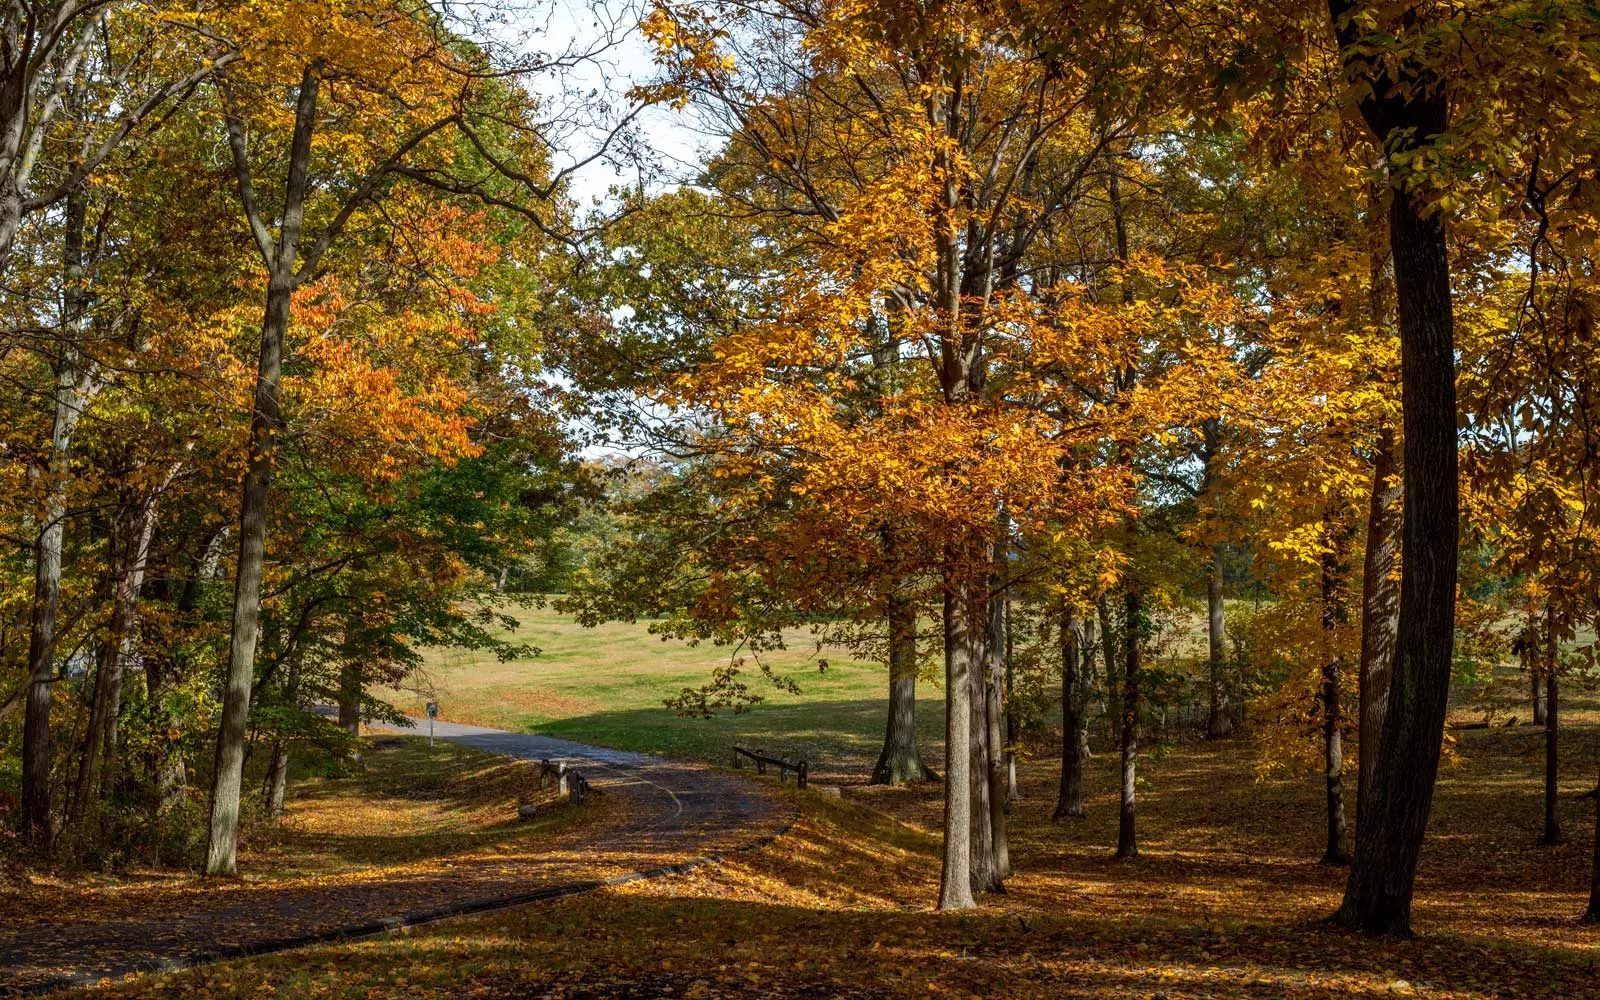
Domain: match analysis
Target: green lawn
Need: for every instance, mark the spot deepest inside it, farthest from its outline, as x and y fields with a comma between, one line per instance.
x=607, y=686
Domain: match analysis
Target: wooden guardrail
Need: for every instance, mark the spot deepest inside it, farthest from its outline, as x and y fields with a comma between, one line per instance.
x=762, y=761
x=569, y=782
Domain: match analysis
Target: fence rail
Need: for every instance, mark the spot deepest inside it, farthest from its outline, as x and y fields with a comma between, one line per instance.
x=763, y=761
x=568, y=781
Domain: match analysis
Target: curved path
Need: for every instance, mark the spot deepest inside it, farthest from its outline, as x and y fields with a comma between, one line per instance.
x=661, y=818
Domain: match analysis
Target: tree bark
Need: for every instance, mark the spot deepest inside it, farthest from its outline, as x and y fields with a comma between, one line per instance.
x=350, y=688
x=1109, y=648
x=1220, y=721
x=1127, y=838
x=960, y=647
x=985, y=870
x=1332, y=739
x=900, y=761
x=1405, y=112
x=1592, y=914
x=1552, y=731
x=1537, y=692
x=75, y=385
x=277, y=779
x=1380, y=608
x=266, y=421
x=100, y=742
x=995, y=772
x=1069, y=800
x=1012, y=793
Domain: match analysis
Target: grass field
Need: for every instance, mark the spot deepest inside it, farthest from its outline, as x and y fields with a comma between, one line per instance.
x=607, y=685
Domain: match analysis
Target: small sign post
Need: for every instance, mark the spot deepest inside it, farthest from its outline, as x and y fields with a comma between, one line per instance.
x=433, y=713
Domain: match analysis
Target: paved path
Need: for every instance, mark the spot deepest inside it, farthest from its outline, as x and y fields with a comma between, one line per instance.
x=660, y=817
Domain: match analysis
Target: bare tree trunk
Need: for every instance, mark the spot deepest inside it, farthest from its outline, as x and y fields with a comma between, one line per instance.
x=900, y=761
x=1127, y=838
x=1069, y=800
x=1537, y=693
x=960, y=648
x=1220, y=721
x=266, y=421
x=1380, y=609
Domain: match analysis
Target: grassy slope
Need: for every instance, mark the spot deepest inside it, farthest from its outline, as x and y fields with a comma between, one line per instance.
x=606, y=685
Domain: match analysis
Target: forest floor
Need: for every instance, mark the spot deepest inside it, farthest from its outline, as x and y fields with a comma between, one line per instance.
x=420, y=833
x=1226, y=899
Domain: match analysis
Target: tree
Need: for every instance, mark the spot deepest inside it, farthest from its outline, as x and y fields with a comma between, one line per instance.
x=1407, y=110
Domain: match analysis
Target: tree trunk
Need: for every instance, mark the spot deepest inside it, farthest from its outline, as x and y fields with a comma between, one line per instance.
x=901, y=761
x=1127, y=838
x=265, y=422
x=985, y=872
x=1220, y=721
x=1332, y=739
x=1113, y=690
x=1539, y=706
x=960, y=648
x=75, y=385
x=1380, y=607
x=277, y=779
x=1592, y=914
x=1405, y=114
x=1012, y=794
x=264, y=425
x=350, y=688
x=1552, y=729
x=100, y=743
x=995, y=772
x=1069, y=800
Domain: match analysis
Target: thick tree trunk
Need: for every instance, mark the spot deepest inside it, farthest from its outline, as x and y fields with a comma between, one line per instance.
x=1380, y=609
x=1220, y=721
x=1069, y=800
x=961, y=647
x=1389, y=840
x=901, y=761
x=1127, y=838
x=1332, y=739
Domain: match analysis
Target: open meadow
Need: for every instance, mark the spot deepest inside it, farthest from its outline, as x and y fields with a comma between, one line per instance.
x=606, y=685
